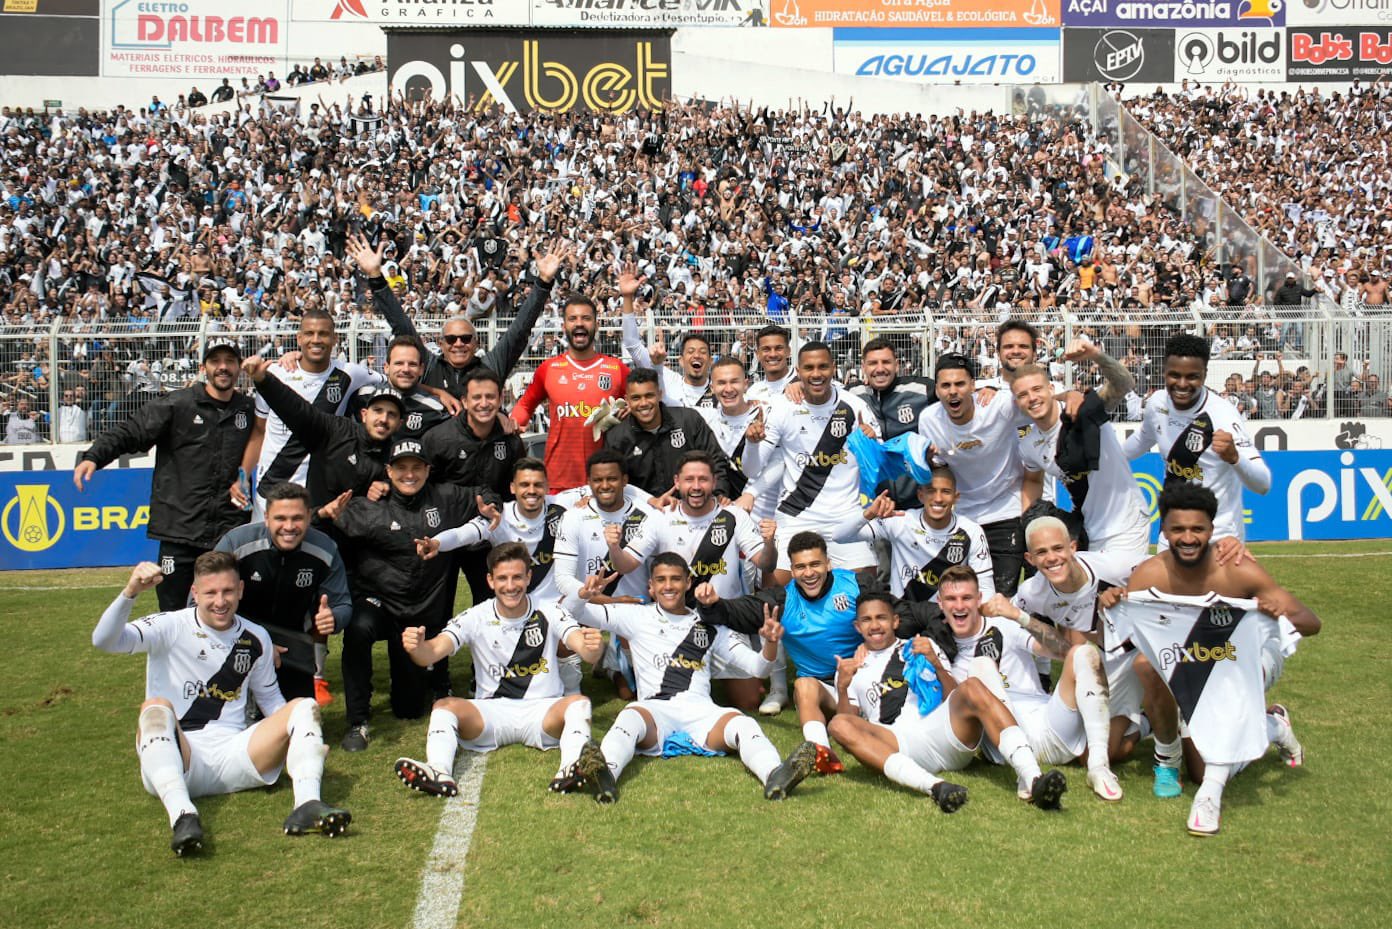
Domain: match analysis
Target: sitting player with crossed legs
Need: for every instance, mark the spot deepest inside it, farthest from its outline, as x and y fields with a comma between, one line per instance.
x=521, y=698
x=881, y=720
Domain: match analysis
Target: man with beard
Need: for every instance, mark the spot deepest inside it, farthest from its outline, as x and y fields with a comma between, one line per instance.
x=574, y=384
x=199, y=434
x=424, y=409
x=896, y=400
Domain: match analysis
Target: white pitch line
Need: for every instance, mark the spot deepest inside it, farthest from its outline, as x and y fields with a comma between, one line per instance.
x=442, y=882
x=60, y=587
x=1324, y=555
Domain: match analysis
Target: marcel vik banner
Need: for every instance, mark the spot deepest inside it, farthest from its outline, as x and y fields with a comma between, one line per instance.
x=45, y=522
x=523, y=70
x=1038, y=14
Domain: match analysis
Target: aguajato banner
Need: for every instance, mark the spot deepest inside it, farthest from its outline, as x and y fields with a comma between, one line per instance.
x=950, y=56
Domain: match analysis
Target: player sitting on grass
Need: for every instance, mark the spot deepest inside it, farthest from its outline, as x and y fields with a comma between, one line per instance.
x=520, y=694
x=900, y=712
x=193, y=739
x=672, y=652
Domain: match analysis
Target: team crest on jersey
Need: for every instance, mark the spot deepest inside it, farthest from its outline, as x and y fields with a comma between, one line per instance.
x=304, y=577
x=413, y=421
x=532, y=637
x=553, y=526
x=1194, y=441
x=333, y=393
x=167, y=564
x=841, y=602
x=956, y=551
x=678, y=438
x=1220, y=616
x=500, y=451
x=700, y=637
x=838, y=428
x=432, y=517
x=989, y=646
x=463, y=454
x=904, y=414
x=241, y=662
x=605, y=382
x=720, y=535
x=240, y=420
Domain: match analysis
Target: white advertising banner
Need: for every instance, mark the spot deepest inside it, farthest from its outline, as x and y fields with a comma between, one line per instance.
x=650, y=13
x=1339, y=13
x=407, y=13
x=195, y=39
x=950, y=56
x=1230, y=54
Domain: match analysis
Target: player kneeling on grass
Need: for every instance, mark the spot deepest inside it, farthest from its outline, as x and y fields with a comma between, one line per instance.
x=193, y=739
x=672, y=651
x=520, y=694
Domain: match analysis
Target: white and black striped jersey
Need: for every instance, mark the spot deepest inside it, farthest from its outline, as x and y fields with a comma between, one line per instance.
x=513, y=658
x=283, y=456
x=744, y=455
x=763, y=390
x=205, y=673
x=808, y=443
x=983, y=456
x=1076, y=610
x=538, y=534
x=920, y=553
x=1006, y=643
x=879, y=691
x=582, y=551
x=713, y=544
x=672, y=652
x=677, y=392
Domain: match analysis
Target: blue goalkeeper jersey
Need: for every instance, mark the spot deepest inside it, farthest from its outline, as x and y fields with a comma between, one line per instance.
x=817, y=632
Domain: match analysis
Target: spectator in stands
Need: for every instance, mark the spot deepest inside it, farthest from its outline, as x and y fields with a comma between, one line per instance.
x=317, y=71
x=196, y=98
x=225, y=92
x=23, y=423
x=72, y=418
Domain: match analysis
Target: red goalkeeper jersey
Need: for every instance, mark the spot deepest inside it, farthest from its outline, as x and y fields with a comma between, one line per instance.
x=574, y=389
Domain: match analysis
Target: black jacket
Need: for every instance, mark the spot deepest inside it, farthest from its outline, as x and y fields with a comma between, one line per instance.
x=898, y=409
x=423, y=412
x=341, y=454
x=380, y=545
x=457, y=456
x=283, y=588
x=502, y=357
x=653, y=456
x=198, y=446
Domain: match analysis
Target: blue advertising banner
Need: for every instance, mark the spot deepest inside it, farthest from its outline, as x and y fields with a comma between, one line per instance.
x=1176, y=13
x=46, y=523
x=950, y=56
x=1314, y=495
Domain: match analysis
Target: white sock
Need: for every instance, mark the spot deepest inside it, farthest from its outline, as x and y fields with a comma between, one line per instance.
x=321, y=658
x=442, y=740
x=755, y=750
x=304, y=759
x=622, y=739
x=1168, y=753
x=1090, y=693
x=815, y=731
x=778, y=676
x=575, y=731
x=571, y=673
x=1215, y=778
x=161, y=761
x=988, y=672
x=1016, y=749
x=902, y=770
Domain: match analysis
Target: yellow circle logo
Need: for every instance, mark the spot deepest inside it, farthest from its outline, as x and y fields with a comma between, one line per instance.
x=1150, y=492
x=32, y=531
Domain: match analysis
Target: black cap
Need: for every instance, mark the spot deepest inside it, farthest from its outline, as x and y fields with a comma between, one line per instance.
x=406, y=448
x=214, y=344
x=371, y=395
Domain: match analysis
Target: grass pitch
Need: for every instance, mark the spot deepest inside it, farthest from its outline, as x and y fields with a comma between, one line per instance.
x=692, y=842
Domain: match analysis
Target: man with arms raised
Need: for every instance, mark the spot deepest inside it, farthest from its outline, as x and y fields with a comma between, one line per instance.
x=193, y=740
x=1184, y=582
x=514, y=641
x=672, y=653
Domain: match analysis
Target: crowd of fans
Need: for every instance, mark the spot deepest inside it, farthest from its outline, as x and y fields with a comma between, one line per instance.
x=133, y=225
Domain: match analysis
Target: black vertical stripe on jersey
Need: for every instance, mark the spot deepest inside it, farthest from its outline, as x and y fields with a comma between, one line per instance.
x=1188, y=678
x=708, y=553
x=677, y=678
x=921, y=589
x=990, y=644
x=631, y=524
x=293, y=452
x=544, y=554
x=205, y=708
x=515, y=687
x=1180, y=455
x=738, y=479
x=707, y=401
x=814, y=476
x=894, y=690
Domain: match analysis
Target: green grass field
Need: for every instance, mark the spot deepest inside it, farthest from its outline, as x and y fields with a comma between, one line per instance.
x=693, y=843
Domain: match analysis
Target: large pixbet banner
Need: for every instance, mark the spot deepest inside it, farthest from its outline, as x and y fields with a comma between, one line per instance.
x=520, y=70
x=950, y=56
x=933, y=13
x=1174, y=13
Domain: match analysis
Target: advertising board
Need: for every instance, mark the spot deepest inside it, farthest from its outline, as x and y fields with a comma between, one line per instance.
x=950, y=56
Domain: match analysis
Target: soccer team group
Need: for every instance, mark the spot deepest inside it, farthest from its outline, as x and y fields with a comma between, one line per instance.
x=867, y=543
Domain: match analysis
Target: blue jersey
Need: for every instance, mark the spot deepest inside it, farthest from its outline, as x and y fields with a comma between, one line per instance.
x=817, y=632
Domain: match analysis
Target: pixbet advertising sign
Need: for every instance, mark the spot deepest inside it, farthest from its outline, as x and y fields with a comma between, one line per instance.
x=1231, y=55
x=1175, y=13
x=1144, y=56
x=193, y=38
x=1040, y=14
x=612, y=72
x=1338, y=54
x=950, y=56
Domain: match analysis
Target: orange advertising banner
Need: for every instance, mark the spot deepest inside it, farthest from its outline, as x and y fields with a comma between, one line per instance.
x=791, y=14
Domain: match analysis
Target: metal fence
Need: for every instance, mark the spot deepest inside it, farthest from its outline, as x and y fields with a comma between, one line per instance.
x=108, y=372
